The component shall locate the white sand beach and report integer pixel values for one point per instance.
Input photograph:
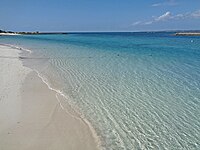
(31, 117)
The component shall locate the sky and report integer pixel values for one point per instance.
(99, 15)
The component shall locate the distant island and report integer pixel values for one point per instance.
(2, 32)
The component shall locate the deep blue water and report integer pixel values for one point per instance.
(138, 90)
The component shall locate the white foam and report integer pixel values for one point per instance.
(16, 47)
(80, 117)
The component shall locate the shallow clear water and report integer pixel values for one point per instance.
(138, 90)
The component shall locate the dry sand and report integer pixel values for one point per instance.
(31, 117)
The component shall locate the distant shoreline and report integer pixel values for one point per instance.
(34, 33)
(19, 33)
(176, 33)
(1, 34)
(187, 34)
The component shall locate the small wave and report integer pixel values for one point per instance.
(80, 117)
(16, 47)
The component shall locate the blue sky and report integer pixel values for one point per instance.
(99, 15)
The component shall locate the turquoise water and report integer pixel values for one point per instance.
(138, 90)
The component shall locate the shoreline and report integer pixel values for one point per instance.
(71, 110)
(75, 133)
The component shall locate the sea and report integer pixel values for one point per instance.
(136, 90)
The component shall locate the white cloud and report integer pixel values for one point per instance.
(169, 16)
(188, 15)
(148, 22)
(163, 17)
(166, 3)
(156, 5)
(180, 16)
(136, 23)
(196, 14)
